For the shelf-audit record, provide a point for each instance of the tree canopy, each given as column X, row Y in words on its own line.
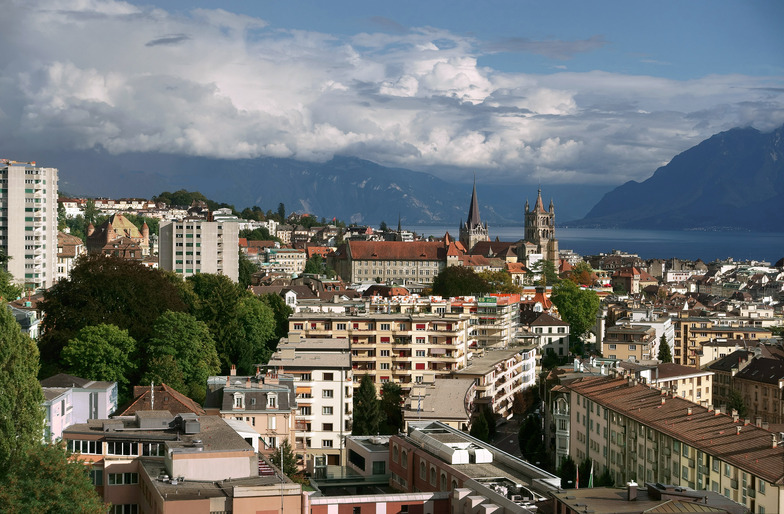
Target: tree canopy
column 391, row 405
column 284, row 459
column 102, row 352
column 106, row 289
column 459, row 281
column 479, row 428
column 578, row 307
column 499, row 282
column 665, row 355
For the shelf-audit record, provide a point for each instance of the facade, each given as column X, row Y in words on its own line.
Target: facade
column 625, row 342
column 288, row 260
column 692, row 384
column 691, row 332
column 643, row 434
column 89, row 399
column 497, row 318
column 390, row 261
column 761, row 385
column 551, row 333
column 68, row 249
column 28, row 222
column 157, row 462
column 402, row 348
column 266, row 403
column 499, row 375
column 323, row 379
column 192, row 245
column 58, row 412
column 473, row 231
column 540, row 231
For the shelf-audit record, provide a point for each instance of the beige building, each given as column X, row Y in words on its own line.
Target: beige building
column 405, row 349
column 192, row 246
column 625, row 342
column 68, row 249
column 643, row 434
column 396, row 261
column 28, row 222
column 691, row 332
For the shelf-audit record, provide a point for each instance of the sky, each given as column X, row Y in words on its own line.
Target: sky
column 568, row 92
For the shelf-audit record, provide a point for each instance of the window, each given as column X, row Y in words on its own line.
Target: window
column 326, row 410
column 422, row 470
column 632, row 347
column 384, row 365
column 122, row 448
column 304, row 411
column 326, row 427
column 86, row 447
column 327, row 393
column 432, row 476
column 341, row 326
column 379, row 467
column 328, row 377
column 385, row 353
column 421, row 353
column 96, row 476
column 326, row 443
column 123, row 478
column 128, row 508
column 272, row 400
column 153, row 449
column 612, row 347
column 272, row 422
column 385, row 326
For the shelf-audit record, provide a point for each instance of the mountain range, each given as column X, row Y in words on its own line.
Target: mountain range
column 731, row 181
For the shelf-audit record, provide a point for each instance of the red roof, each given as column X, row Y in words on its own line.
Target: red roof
column 397, row 250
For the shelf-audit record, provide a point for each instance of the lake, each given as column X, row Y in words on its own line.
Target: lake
column 648, row 244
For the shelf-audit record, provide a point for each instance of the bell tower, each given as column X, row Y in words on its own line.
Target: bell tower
column 540, row 229
column 473, row 231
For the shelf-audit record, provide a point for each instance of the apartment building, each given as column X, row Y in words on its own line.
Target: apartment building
column 645, row 435
column 402, row 348
column 390, row 261
column 323, row 381
column 288, row 260
column 550, row 332
column 625, row 342
column 691, row 332
column 266, row 403
column 193, row 245
column 69, row 248
column 70, row 399
column 28, row 222
column 497, row 319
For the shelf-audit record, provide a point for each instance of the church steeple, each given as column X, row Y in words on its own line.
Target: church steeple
column 473, row 210
column 539, row 207
column 473, row 231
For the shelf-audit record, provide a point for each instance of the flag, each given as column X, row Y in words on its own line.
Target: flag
column 577, row 478
column 590, row 477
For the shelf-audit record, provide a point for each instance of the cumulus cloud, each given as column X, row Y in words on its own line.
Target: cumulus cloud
column 114, row 75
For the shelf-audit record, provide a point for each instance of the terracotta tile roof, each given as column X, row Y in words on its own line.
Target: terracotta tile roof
column 491, row 247
column 397, row 250
column 243, row 241
column 537, row 319
column 715, row 434
column 166, row 398
column 670, row 369
column 516, row 267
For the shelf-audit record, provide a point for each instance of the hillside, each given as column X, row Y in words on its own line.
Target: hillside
column 731, row 181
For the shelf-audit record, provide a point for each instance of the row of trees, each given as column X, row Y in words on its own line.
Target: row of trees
column 36, row 477
column 118, row 320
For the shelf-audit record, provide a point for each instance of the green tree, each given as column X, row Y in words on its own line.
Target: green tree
column 367, row 409
column 61, row 216
column 459, row 281
column 257, row 328
column 581, row 274
column 314, row 265
column 489, row 415
column 21, row 415
column 499, row 282
column 247, row 269
column 102, row 352
column 548, row 273
column 391, row 408
column 284, row 459
column 91, row 212
column 45, row 479
column 181, row 349
column 479, row 428
column 281, row 313
column 578, row 307
column 258, row 234
column 665, row 355
column 9, row 290
column 105, row 289
column 605, row 479
column 281, row 212
column 383, row 226
column 567, row 470
column 735, row 401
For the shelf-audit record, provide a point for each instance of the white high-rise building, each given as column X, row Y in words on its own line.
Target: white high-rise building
column 192, row 246
column 28, row 222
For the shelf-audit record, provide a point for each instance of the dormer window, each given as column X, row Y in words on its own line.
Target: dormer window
column 239, row 400
column 272, row 400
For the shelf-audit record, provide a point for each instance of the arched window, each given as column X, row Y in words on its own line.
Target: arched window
column 395, row 453
column 422, row 472
column 454, row 484
column 432, row 476
column 443, row 481
column 404, row 459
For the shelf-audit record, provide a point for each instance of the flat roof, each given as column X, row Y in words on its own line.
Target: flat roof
column 492, row 357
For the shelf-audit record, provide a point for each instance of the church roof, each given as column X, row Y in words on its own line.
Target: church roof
column 539, row 206
column 473, row 210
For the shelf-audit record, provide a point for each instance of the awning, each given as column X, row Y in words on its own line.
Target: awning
column 303, row 390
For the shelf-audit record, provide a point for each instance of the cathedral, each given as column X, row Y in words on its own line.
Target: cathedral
column 540, row 231
column 473, row 231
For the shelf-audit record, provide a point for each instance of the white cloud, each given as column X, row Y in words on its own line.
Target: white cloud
column 213, row 83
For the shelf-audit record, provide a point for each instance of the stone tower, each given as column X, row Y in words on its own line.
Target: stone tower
column 540, row 230
column 473, row 231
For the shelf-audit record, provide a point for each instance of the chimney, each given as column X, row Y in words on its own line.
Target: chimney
column 718, row 410
column 662, row 400
column 737, row 430
column 228, row 380
column 710, row 407
column 688, row 411
column 247, row 383
column 631, row 491
column 758, row 421
column 765, row 425
column 233, row 371
column 735, row 416
column 774, row 440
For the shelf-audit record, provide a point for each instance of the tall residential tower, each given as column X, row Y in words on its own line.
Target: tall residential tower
column 28, row 222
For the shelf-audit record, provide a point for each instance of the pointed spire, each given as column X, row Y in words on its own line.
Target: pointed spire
column 552, row 207
column 539, row 207
column 526, row 205
column 399, row 229
column 473, row 209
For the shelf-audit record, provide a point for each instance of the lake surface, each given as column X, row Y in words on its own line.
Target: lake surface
column 649, row 244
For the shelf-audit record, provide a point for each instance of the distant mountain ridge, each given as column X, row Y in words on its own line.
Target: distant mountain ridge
column 351, row 189
column 732, row 181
